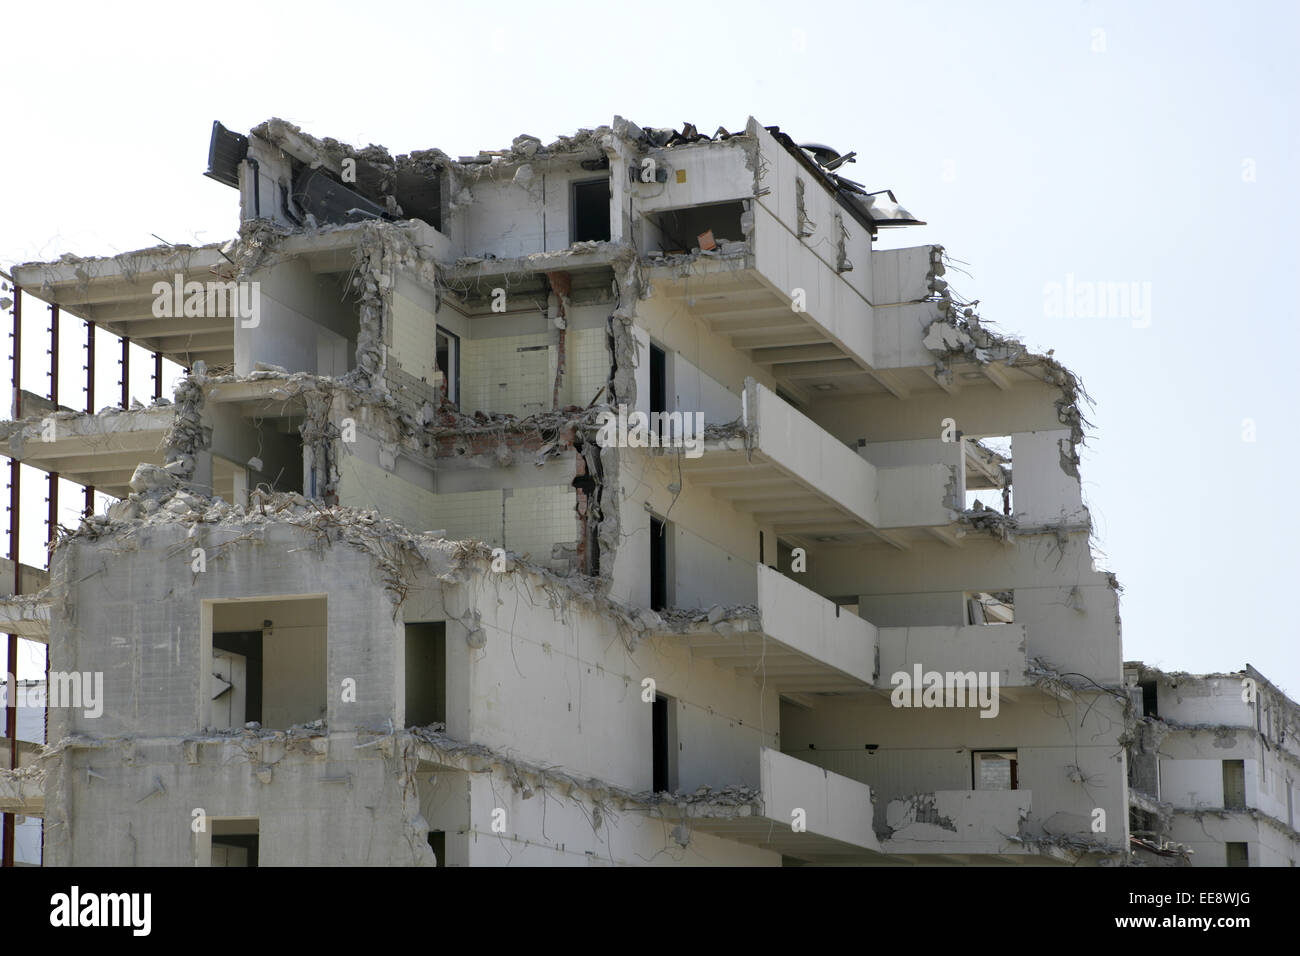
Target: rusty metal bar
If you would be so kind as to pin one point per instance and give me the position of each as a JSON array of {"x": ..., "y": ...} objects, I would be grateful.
[
  {"x": 53, "y": 353},
  {"x": 52, "y": 522},
  {"x": 11, "y": 706},
  {"x": 125, "y": 362},
  {"x": 89, "y": 368}
]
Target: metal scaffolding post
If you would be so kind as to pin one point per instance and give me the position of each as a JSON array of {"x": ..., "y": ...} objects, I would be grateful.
[{"x": 11, "y": 706}]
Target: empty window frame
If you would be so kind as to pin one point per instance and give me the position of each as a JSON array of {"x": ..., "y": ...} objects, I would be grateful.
[
  {"x": 234, "y": 843},
  {"x": 988, "y": 473},
  {"x": 658, "y": 379},
  {"x": 659, "y": 540},
  {"x": 990, "y": 607},
  {"x": 426, "y": 674},
  {"x": 1150, "y": 698},
  {"x": 1234, "y": 785},
  {"x": 447, "y": 355},
  {"x": 1238, "y": 854},
  {"x": 589, "y": 210},
  {"x": 267, "y": 663},
  {"x": 438, "y": 843},
  {"x": 658, "y": 385},
  {"x": 694, "y": 227},
  {"x": 664, "y": 744},
  {"x": 994, "y": 770}
]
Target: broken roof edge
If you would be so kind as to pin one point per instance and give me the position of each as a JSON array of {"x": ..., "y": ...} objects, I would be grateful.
[
  {"x": 36, "y": 277},
  {"x": 586, "y": 142},
  {"x": 1148, "y": 671}
]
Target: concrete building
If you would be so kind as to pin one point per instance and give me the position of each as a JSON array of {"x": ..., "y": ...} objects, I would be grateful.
[
  {"x": 407, "y": 573},
  {"x": 1214, "y": 769}
]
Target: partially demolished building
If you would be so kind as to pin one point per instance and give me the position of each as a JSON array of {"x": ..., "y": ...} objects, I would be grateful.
[
  {"x": 409, "y": 573},
  {"x": 1214, "y": 769}
]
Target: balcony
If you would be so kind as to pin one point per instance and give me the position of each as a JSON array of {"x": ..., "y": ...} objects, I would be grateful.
[
  {"x": 116, "y": 293},
  {"x": 748, "y": 297},
  {"x": 836, "y": 812},
  {"x": 794, "y": 476},
  {"x": 27, "y": 616},
  {"x": 957, "y": 821},
  {"x": 989, "y": 649},
  {"x": 100, "y": 450},
  {"x": 804, "y": 644}
]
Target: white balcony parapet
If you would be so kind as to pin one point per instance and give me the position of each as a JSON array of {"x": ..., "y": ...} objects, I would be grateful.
[
  {"x": 957, "y": 821},
  {"x": 803, "y": 812},
  {"x": 815, "y": 628},
  {"x": 983, "y": 649},
  {"x": 798, "y": 478},
  {"x": 801, "y": 642}
]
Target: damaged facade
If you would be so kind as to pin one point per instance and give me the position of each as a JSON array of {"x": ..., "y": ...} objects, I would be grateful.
[
  {"x": 376, "y": 589},
  {"x": 1214, "y": 769}
]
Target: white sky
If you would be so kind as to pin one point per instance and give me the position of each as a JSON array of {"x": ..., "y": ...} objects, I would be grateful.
[{"x": 1035, "y": 146}]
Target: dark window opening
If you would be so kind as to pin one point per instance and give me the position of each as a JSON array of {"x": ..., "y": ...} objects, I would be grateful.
[
  {"x": 267, "y": 663},
  {"x": 234, "y": 850},
  {"x": 447, "y": 356},
  {"x": 1234, "y": 785},
  {"x": 279, "y": 454},
  {"x": 1149, "y": 699},
  {"x": 426, "y": 674},
  {"x": 1238, "y": 854},
  {"x": 680, "y": 230},
  {"x": 438, "y": 843},
  {"x": 663, "y": 744},
  {"x": 236, "y": 655},
  {"x": 234, "y": 843},
  {"x": 590, "y": 211},
  {"x": 994, "y": 770},
  {"x": 658, "y": 564},
  {"x": 658, "y": 379},
  {"x": 586, "y": 486},
  {"x": 658, "y": 385}
]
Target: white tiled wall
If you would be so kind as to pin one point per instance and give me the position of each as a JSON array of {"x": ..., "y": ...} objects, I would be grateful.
[
  {"x": 497, "y": 377},
  {"x": 536, "y": 518}
]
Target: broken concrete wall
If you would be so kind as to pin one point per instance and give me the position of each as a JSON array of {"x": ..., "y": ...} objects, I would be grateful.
[
  {"x": 589, "y": 832},
  {"x": 1064, "y": 759},
  {"x": 818, "y": 223},
  {"x": 519, "y": 209},
  {"x": 412, "y": 351},
  {"x": 1047, "y": 487},
  {"x": 144, "y": 583},
  {"x": 970, "y": 821}
]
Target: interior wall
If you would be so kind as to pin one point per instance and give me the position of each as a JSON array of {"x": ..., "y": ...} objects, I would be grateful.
[
  {"x": 306, "y": 319},
  {"x": 294, "y": 649}
]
